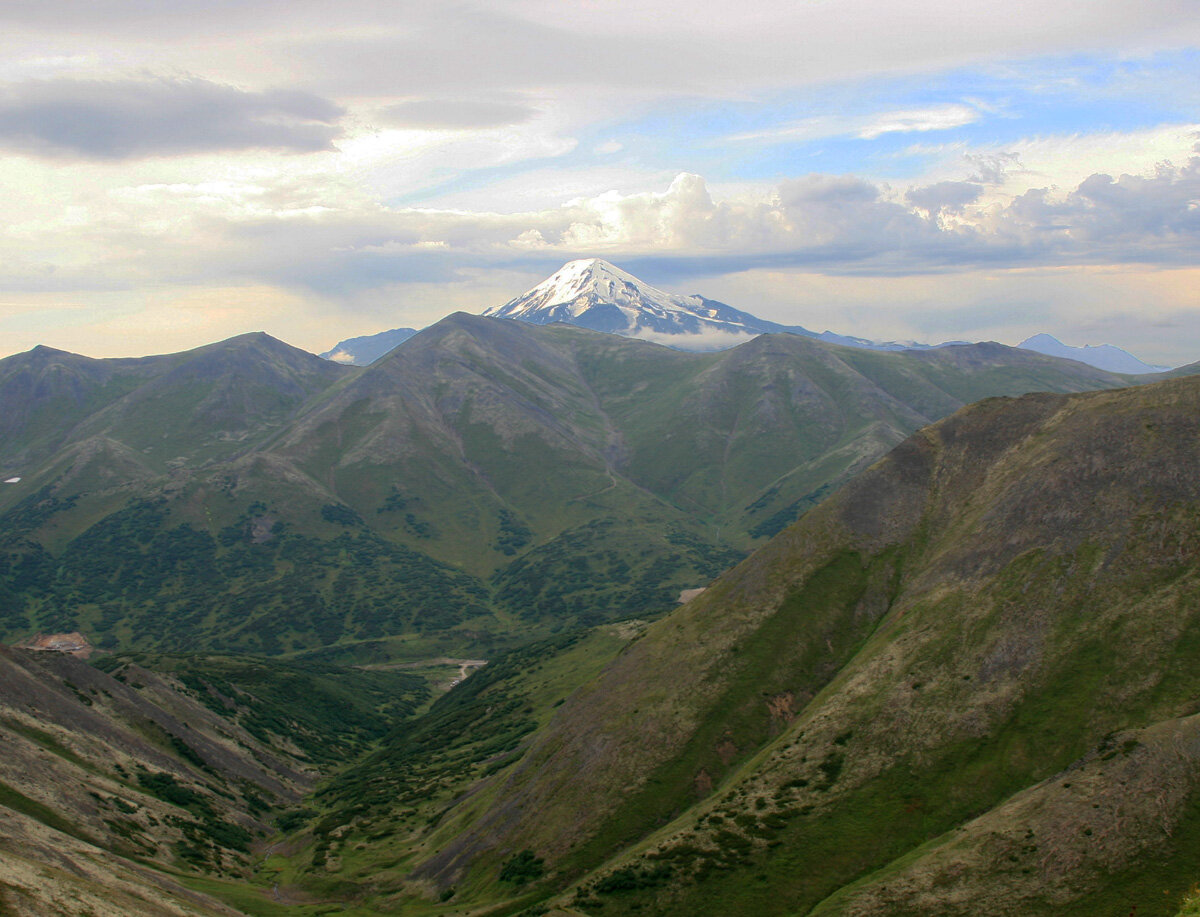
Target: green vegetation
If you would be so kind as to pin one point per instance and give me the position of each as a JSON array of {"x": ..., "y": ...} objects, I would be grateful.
[
  {"x": 472, "y": 731},
  {"x": 1003, "y": 610},
  {"x": 13, "y": 799},
  {"x": 369, "y": 819},
  {"x": 1190, "y": 905},
  {"x": 249, "y": 498},
  {"x": 331, "y": 713},
  {"x": 522, "y": 868},
  {"x": 848, "y": 715},
  {"x": 604, "y": 571}
]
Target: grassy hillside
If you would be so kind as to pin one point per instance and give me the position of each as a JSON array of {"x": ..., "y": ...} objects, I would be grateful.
[
  {"x": 962, "y": 683},
  {"x": 120, "y": 781},
  {"x": 486, "y": 482},
  {"x": 186, "y": 407},
  {"x": 938, "y": 693}
]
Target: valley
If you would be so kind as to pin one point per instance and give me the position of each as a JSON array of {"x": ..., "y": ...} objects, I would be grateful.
[
  {"x": 411, "y": 637},
  {"x": 614, "y": 458}
]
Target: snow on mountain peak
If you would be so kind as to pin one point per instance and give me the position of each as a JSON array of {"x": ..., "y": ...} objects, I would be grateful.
[
  {"x": 592, "y": 293},
  {"x": 604, "y": 281}
]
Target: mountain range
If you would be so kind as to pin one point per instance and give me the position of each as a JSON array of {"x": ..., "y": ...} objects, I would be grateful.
[
  {"x": 592, "y": 293},
  {"x": 936, "y": 656},
  {"x": 961, "y": 684},
  {"x": 485, "y": 474}
]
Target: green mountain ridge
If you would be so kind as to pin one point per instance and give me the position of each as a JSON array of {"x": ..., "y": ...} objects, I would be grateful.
[
  {"x": 947, "y": 690},
  {"x": 961, "y": 683},
  {"x": 486, "y": 482},
  {"x": 198, "y": 400}
]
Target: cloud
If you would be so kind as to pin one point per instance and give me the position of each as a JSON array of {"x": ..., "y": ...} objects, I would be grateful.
[
  {"x": 456, "y": 114},
  {"x": 128, "y": 118},
  {"x": 832, "y": 224},
  {"x": 938, "y": 118},
  {"x": 307, "y": 236},
  {"x": 993, "y": 168},
  {"x": 945, "y": 196},
  {"x": 866, "y": 126},
  {"x": 1061, "y": 160},
  {"x": 1129, "y": 219}
]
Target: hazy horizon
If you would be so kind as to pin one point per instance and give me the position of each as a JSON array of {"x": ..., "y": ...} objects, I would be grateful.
[{"x": 894, "y": 171}]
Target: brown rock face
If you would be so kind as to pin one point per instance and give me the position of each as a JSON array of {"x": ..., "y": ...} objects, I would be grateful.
[{"x": 74, "y": 643}]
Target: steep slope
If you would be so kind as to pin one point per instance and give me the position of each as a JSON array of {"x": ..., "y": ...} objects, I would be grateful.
[
  {"x": 102, "y": 789},
  {"x": 1009, "y": 596},
  {"x": 115, "y": 784}
]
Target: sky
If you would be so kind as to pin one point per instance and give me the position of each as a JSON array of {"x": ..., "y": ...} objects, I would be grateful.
[{"x": 175, "y": 174}]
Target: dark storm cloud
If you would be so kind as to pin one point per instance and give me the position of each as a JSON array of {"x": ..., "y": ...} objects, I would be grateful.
[{"x": 126, "y": 119}]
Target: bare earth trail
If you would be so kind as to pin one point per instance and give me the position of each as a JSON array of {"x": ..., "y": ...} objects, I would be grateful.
[{"x": 465, "y": 667}]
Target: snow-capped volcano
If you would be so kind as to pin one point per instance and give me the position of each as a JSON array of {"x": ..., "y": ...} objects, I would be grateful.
[{"x": 594, "y": 294}]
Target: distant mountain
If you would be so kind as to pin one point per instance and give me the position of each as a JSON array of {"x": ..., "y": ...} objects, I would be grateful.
[
  {"x": 594, "y": 294},
  {"x": 847, "y": 340},
  {"x": 365, "y": 350},
  {"x": 1102, "y": 356}
]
